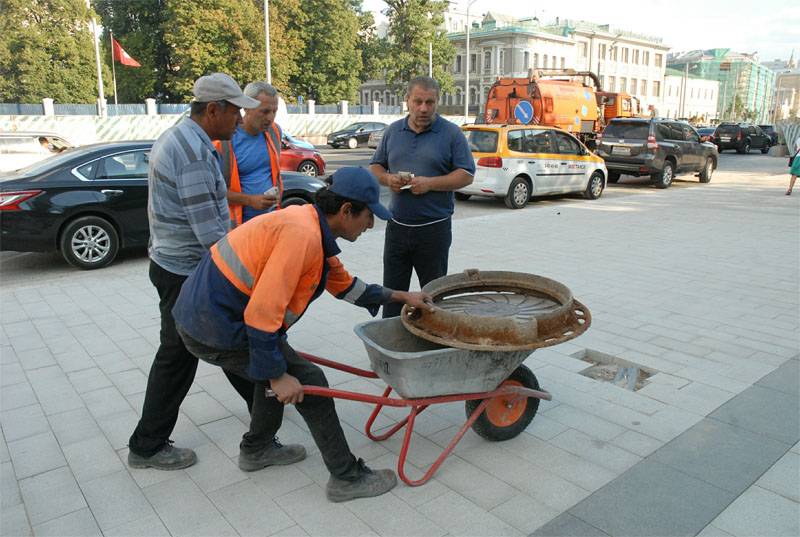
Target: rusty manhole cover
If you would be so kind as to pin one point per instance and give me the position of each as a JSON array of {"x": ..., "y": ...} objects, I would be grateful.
[{"x": 497, "y": 310}]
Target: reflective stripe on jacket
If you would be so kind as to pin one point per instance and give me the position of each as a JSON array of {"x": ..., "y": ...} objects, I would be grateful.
[{"x": 230, "y": 169}]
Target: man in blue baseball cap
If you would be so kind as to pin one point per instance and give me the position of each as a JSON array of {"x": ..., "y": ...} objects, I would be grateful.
[{"x": 235, "y": 309}]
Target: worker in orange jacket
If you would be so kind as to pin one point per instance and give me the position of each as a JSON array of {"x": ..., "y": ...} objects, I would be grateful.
[
  {"x": 255, "y": 283},
  {"x": 250, "y": 160}
]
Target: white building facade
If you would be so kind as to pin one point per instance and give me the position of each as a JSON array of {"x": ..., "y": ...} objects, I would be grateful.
[{"x": 689, "y": 97}]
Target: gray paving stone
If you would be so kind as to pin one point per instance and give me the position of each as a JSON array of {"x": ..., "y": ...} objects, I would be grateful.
[
  {"x": 11, "y": 374},
  {"x": 317, "y": 516},
  {"x": 105, "y": 401},
  {"x": 566, "y": 525},
  {"x": 653, "y": 499},
  {"x": 35, "y": 358},
  {"x": 213, "y": 469},
  {"x": 766, "y": 411},
  {"x": 14, "y": 521},
  {"x": 118, "y": 427},
  {"x": 202, "y": 408},
  {"x": 474, "y": 484},
  {"x": 92, "y": 458},
  {"x": 782, "y": 478},
  {"x": 713, "y": 531},
  {"x": 585, "y": 422},
  {"x": 116, "y": 500},
  {"x": 729, "y": 457},
  {"x": 637, "y": 443},
  {"x": 35, "y": 454},
  {"x": 601, "y": 453},
  {"x": 226, "y": 434},
  {"x": 760, "y": 512},
  {"x": 524, "y": 513},
  {"x": 9, "y": 490},
  {"x": 390, "y": 516},
  {"x": 51, "y": 495},
  {"x": 130, "y": 381},
  {"x": 459, "y": 516},
  {"x": 77, "y": 524},
  {"x": 784, "y": 379},
  {"x": 4, "y": 455},
  {"x": 88, "y": 380},
  {"x": 150, "y": 526},
  {"x": 277, "y": 481},
  {"x": 73, "y": 426},
  {"x": 16, "y": 396},
  {"x": 249, "y": 510}
]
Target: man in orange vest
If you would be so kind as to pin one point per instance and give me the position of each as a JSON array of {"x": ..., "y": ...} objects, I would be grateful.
[
  {"x": 251, "y": 159},
  {"x": 257, "y": 281}
]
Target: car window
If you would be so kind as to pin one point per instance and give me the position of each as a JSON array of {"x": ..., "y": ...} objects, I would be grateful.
[
  {"x": 354, "y": 127},
  {"x": 538, "y": 141},
  {"x": 566, "y": 144},
  {"x": 662, "y": 131},
  {"x": 132, "y": 165},
  {"x": 637, "y": 130},
  {"x": 757, "y": 130},
  {"x": 675, "y": 131},
  {"x": 21, "y": 144},
  {"x": 727, "y": 129},
  {"x": 689, "y": 134},
  {"x": 483, "y": 141}
]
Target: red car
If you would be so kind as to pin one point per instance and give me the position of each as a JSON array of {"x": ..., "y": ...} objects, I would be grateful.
[{"x": 298, "y": 159}]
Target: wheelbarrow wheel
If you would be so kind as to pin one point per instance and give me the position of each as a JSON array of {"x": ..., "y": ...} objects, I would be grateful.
[{"x": 504, "y": 418}]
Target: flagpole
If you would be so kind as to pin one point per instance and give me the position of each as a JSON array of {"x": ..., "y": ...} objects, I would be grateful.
[
  {"x": 102, "y": 97},
  {"x": 113, "y": 69}
]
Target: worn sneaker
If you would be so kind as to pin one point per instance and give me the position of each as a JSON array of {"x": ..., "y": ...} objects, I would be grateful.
[
  {"x": 275, "y": 454},
  {"x": 168, "y": 458},
  {"x": 369, "y": 483}
]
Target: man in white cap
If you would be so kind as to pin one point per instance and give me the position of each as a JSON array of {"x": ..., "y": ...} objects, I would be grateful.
[{"x": 188, "y": 213}]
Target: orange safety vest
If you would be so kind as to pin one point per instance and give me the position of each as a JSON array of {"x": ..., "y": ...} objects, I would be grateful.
[
  {"x": 230, "y": 169},
  {"x": 287, "y": 243}
]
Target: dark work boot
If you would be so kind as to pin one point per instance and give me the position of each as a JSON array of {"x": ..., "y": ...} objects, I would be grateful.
[
  {"x": 369, "y": 483},
  {"x": 167, "y": 458},
  {"x": 275, "y": 454}
]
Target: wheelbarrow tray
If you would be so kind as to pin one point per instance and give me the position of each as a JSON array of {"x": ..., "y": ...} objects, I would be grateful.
[{"x": 415, "y": 367}]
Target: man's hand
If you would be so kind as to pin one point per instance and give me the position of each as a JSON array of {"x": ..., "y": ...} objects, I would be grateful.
[
  {"x": 262, "y": 201},
  {"x": 420, "y": 185},
  {"x": 418, "y": 300},
  {"x": 288, "y": 389},
  {"x": 395, "y": 181}
]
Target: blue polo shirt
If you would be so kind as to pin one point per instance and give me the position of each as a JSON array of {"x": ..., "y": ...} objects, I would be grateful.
[
  {"x": 437, "y": 151},
  {"x": 255, "y": 170}
]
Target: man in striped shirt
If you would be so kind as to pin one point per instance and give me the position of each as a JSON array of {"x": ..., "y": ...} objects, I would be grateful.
[{"x": 188, "y": 213}]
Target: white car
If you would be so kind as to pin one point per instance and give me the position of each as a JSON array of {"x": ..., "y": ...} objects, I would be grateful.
[
  {"x": 515, "y": 162},
  {"x": 20, "y": 149}
]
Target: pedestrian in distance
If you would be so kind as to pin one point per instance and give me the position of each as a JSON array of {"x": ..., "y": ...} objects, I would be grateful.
[
  {"x": 422, "y": 158},
  {"x": 794, "y": 169},
  {"x": 188, "y": 213},
  {"x": 235, "y": 310},
  {"x": 251, "y": 158}
]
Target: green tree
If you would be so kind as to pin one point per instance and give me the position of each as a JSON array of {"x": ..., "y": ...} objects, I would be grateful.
[
  {"x": 46, "y": 50},
  {"x": 331, "y": 63},
  {"x": 413, "y": 24}
]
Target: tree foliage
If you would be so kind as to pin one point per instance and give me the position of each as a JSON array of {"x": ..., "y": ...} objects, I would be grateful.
[
  {"x": 413, "y": 24},
  {"x": 46, "y": 50}
]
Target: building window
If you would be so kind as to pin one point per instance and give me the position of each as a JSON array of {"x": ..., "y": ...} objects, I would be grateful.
[
  {"x": 535, "y": 60},
  {"x": 602, "y": 81},
  {"x": 526, "y": 60},
  {"x": 601, "y": 51},
  {"x": 614, "y": 53},
  {"x": 487, "y": 61},
  {"x": 659, "y": 59},
  {"x": 544, "y": 61},
  {"x": 611, "y": 83},
  {"x": 633, "y": 85},
  {"x": 583, "y": 50},
  {"x": 643, "y": 88},
  {"x": 636, "y": 56},
  {"x": 656, "y": 86},
  {"x": 563, "y": 62},
  {"x": 502, "y": 67},
  {"x": 458, "y": 64},
  {"x": 692, "y": 94},
  {"x": 646, "y": 57},
  {"x": 473, "y": 63},
  {"x": 623, "y": 84},
  {"x": 624, "y": 54}
]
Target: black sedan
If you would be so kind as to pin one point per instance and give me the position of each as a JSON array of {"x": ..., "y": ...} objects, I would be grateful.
[
  {"x": 91, "y": 201},
  {"x": 354, "y": 135}
]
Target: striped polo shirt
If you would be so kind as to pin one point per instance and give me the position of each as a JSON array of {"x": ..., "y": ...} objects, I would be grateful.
[{"x": 186, "y": 202}]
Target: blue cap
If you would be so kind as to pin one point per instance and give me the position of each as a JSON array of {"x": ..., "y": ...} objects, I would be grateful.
[{"x": 358, "y": 184}]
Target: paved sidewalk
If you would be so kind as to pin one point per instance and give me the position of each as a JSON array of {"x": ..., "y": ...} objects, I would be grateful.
[{"x": 698, "y": 282}]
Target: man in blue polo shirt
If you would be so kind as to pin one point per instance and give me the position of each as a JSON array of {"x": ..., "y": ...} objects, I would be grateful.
[{"x": 436, "y": 156}]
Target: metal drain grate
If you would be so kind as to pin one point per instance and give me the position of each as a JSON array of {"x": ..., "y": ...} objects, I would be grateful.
[{"x": 618, "y": 371}]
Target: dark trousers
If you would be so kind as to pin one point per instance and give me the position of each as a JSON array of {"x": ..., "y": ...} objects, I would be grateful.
[
  {"x": 171, "y": 374},
  {"x": 424, "y": 249},
  {"x": 319, "y": 413}
]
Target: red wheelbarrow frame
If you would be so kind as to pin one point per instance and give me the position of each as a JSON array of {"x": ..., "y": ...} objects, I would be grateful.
[{"x": 416, "y": 406}]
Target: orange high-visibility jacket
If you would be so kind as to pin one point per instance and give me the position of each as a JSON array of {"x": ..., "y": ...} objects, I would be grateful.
[
  {"x": 230, "y": 169},
  {"x": 259, "y": 279}
]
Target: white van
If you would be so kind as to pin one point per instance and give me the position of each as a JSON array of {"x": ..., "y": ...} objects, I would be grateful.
[{"x": 20, "y": 149}]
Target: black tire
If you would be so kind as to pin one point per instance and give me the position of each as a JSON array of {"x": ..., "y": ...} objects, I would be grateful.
[
  {"x": 719, "y": 150},
  {"x": 352, "y": 143},
  {"x": 89, "y": 242},
  {"x": 745, "y": 149},
  {"x": 613, "y": 177},
  {"x": 335, "y": 146},
  {"x": 294, "y": 200},
  {"x": 664, "y": 178},
  {"x": 519, "y": 193},
  {"x": 308, "y": 167},
  {"x": 765, "y": 150},
  {"x": 594, "y": 188},
  {"x": 707, "y": 171},
  {"x": 489, "y": 430},
  {"x": 462, "y": 197}
]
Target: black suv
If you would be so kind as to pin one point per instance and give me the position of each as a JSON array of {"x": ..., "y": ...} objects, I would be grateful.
[
  {"x": 770, "y": 131},
  {"x": 657, "y": 147},
  {"x": 742, "y": 137}
]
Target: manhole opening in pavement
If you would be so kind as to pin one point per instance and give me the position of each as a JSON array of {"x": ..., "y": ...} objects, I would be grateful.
[{"x": 618, "y": 371}]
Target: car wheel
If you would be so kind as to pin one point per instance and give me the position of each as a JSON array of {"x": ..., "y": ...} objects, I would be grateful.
[
  {"x": 594, "y": 188},
  {"x": 89, "y": 242},
  {"x": 765, "y": 150},
  {"x": 352, "y": 143},
  {"x": 664, "y": 178},
  {"x": 294, "y": 200},
  {"x": 307, "y": 167},
  {"x": 335, "y": 146},
  {"x": 745, "y": 148},
  {"x": 613, "y": 177},
  {"x": 462, "y": 197},
  {"x": 519, "y": 192},
  {"x": 708, "y": 169},
  {"x": 719, "y": 150}
]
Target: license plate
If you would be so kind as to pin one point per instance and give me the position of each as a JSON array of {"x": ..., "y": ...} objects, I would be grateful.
[
  {"x": 725, "y": 138},
  {"x": 620, "y": 150}
]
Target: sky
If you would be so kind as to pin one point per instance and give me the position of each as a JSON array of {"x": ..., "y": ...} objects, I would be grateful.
[{"x": 769, "y": 27}]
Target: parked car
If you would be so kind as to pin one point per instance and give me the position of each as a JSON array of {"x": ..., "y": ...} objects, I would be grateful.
[
  {"x": 706, "y": 133},
  {"x": 299, "y": 159},
  {"x": 375, "y": 139},
  {"x": 20, "y": 149},
  {"x": 658, "y": 147},
  {"x": 742, "y": 137},
  {"x": 297, "y": 141},
  {"x": 90, "y": 202},
  {"x": 354, "y": 135},
  {"x": 515, "y": 162},
  {"x": 770, "y": 131}
]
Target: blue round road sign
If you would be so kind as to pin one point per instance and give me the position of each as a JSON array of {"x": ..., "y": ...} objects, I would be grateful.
[{"x": 523, "y": 112}]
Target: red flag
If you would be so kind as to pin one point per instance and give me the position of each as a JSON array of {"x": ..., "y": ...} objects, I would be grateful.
[{"x": 121, "y": 56}]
